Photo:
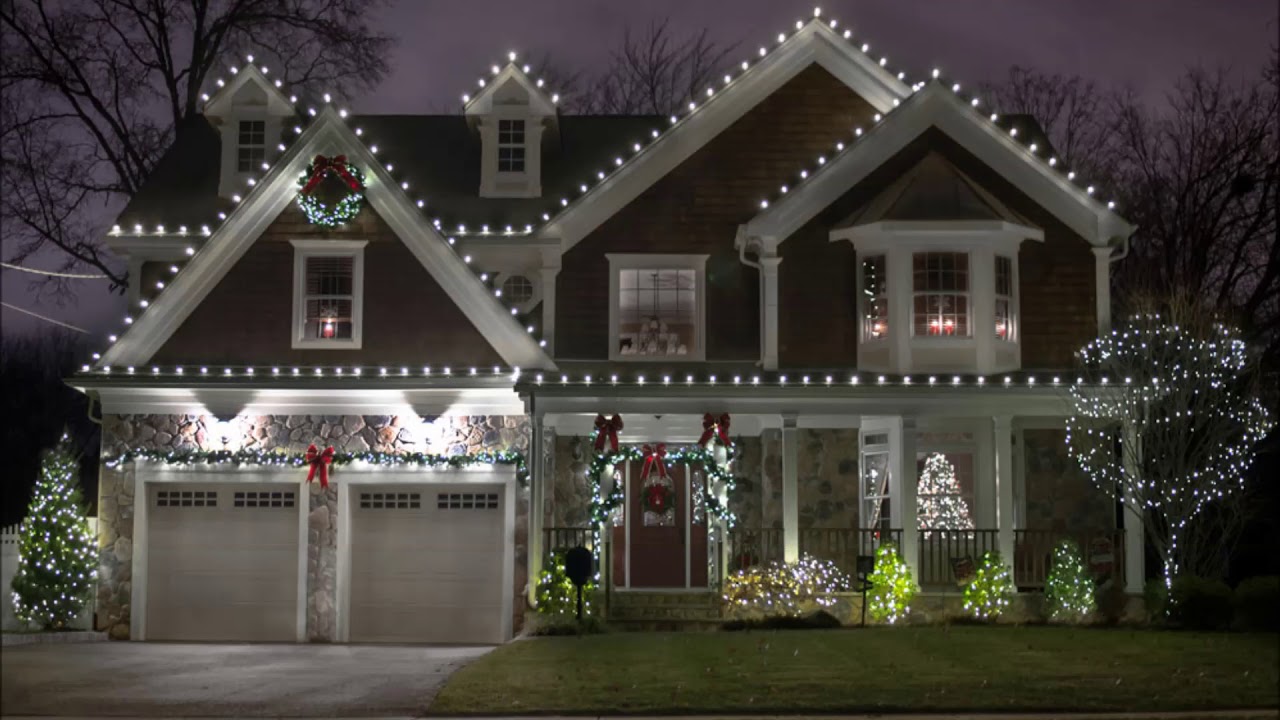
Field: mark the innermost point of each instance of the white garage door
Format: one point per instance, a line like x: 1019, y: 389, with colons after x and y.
x: 222, y: 562
x: 427, y: 563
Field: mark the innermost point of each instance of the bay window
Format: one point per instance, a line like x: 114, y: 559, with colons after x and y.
x: 940, y: 283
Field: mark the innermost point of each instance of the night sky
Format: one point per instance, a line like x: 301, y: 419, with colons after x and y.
x: 445, y: 46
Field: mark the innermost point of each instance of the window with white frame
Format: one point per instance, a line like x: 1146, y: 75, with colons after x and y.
x: 251, y: 148
x: 876, y: 489
x: 940, y: 284
x: 875, y: 298
x: 657, y: 309
x: 945, y: 480
x: 1005, y: 329
x: 511, y: 149
x: 517, y: 289
x: 328, y: 293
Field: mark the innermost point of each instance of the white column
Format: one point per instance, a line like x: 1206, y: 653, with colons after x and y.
x: 982, y: 281
x: 902, y: 478
x: 1135, y: 557
x: 537, y: 491
x: 769, y: 306
x: 549, y: 307
x: 790, y: 490
x: 1102, y: 285
x: 1004, y: 486
x: 899, y: 278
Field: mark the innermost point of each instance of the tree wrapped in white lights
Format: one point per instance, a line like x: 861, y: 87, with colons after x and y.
x: 1178, y: 394
x: 56, y: 551
x: 1068, y: 591
x: 939, y: 504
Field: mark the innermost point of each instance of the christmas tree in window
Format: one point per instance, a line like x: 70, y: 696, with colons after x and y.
x: 939, y: 503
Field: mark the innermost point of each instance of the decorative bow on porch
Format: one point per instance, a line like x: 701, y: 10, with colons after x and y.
x: 607, y: 429
x: 713, y: 427
x: 653, y: 455
x: 322, y: 166
x: 319, y: 462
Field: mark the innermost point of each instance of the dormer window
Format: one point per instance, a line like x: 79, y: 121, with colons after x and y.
x: 511, y: 146
x: 251, y: 150
x: 512, y: 116
x: 249, y: 114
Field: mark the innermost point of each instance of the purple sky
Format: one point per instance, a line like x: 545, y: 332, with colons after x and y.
x: 445, y: 46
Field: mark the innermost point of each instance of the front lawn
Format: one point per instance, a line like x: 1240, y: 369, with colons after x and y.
x: 956, y: 668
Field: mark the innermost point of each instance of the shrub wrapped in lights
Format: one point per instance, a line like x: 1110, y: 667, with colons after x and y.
x: 1068, y: 591
x: 557, y: 597
x: 892, y: 587
x: 991, y: 590
x: 784, y: 589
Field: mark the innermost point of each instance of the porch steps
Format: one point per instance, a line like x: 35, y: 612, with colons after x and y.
x: 680, y: 611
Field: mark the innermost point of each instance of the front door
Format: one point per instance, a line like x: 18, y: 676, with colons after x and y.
x: 663, y: 534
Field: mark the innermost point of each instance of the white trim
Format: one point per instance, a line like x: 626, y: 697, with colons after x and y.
x: 816, y: 43
x: 1102, y: 288
x: 275, y: 192
x: 221, y: 104
x: 482, y: 102
x: 302, y: 251
x: 357, y: 398
x: 659, y: 261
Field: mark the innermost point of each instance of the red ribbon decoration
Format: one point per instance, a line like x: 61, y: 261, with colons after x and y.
x: 656, y: 498
x: 653, y: 455
x: 607, y: 428
x: 319, y: 461
x: 715, y: 427
x: 322, y: 166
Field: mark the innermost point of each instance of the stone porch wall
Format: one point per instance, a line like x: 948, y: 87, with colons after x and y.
x: 827, y: 478
x: 449, y: 435
x: 1059, y: 496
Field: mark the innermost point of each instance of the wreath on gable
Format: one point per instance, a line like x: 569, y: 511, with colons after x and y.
x: 346, y: 209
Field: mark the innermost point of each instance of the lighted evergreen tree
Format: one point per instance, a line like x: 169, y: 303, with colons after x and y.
x: 1068, y: 591
x: 557, y: 597
x: 892, y: 586
x: 56, y: 553
x: 939, y: 505
x: 990, y: 591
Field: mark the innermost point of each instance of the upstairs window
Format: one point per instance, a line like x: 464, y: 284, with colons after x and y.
x: 1004, y: 298
x: 875, y: 298
x: 511, y: 146
x: 328, y: 293
x: 251, y: 149
x: 940, y: 282
x: 657, y: 313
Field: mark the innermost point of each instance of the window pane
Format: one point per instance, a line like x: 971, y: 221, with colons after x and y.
x: 329, y: 297
x: 328, y: 318
x: 1004, y: 276
x: 657, y: 312
x: 517, y: 289
x: 875, y: 303
x: 252, y: 132
x: 330, y: 275
x: 249, y: 159
x: 1003, y: 329
x: 875, y: 490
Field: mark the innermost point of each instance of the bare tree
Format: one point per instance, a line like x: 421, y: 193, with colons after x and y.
x: 94, y: 92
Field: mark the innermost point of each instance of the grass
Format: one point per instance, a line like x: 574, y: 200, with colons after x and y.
x: 947, y: 669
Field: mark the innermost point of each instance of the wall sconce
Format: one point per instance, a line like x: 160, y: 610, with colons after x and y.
x: 221, y: 428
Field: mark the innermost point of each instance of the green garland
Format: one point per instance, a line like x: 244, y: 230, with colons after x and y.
x: 601, y: 507
x: 258, y: 457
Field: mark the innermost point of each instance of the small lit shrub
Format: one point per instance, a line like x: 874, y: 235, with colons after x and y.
x: 1155, y: 599
x: 1197, y: 603
x: 778, y: 588
x: 988, y: 595
x: 557, y: 597
x: 1068, y: 591
x: 1256, y: 603
x: 892, y: 587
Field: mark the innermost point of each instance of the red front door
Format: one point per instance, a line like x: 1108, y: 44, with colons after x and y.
x: 663, y: 537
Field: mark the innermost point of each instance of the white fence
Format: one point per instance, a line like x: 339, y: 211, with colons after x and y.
x: 9, y: 567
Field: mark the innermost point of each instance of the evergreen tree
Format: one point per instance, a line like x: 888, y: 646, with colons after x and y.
x: 891, y: 586
x: 939, y: 505
x: 991, y: 590
x: 57, y: 559
x: 1068, y: 590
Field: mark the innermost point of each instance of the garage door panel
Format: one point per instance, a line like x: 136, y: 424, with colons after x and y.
x: 449, y: 625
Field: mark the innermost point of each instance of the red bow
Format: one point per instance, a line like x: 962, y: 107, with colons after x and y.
x: 607, y: 428
x: 322, y: 166
x: 653, y: 455
x: 319, y: 461
x: 712, y: 427
x: 657, y: 497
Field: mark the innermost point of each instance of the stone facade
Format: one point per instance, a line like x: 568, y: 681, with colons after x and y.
x: 747, y: 499
x: 570, y: 491
x: 447, y: 435
x: 1059, y: 496
x: 827, y: 478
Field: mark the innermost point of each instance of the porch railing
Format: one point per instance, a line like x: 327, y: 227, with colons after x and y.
x: 842, y: 546
x: 748, y: 547
x: 1102, y: 552
x: 941, y: 551
x: 559, y: 539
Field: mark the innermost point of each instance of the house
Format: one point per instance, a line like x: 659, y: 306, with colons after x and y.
x: 844, y: 273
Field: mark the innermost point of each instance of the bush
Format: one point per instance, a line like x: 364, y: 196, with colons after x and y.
x: 1257, y: 603
x: 892, y: 588
x: 557, y: 596
x: 784, y: 588
x: 1068, y: 591
x: 1197, y: 603
x: 1155, y: 598
x: 817, y: 620
x: 1112, y: 603
x: 991, y: 590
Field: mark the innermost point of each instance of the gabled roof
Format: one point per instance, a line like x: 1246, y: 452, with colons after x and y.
x: 540, y: 102
x: 327, y: 135
x: 933, y: 189
x: 274, y: 101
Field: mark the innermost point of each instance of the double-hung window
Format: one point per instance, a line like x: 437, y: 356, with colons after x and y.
x: 251, y: 148
x: 657, y: 310
x: 940, y: 282
x: 328, y: 293
x: 1005, y: 327
x: 875, y: 298
x: 511, y: 149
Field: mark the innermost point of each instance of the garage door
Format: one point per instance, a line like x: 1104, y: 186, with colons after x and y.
x: 222, y: 562
x: 427, y: 563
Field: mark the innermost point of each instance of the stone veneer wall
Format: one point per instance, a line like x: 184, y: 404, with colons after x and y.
x: 827, y: 478
x: 1059, y: 496
x: 449, y: 435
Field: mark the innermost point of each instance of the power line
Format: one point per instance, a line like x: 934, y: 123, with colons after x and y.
x: 52, y: 273
x: 46, y: 319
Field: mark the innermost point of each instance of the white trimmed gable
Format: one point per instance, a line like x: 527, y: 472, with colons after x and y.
x: 511, y: 114
x: 248, y: 108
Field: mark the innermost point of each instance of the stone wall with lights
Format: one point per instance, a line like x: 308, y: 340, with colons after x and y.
x: 448, y: 435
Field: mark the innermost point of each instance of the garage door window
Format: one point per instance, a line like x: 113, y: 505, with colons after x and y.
x: 390, y: 501
x: 186, y: 498
x: 467, y: 501
x: 273, y: 498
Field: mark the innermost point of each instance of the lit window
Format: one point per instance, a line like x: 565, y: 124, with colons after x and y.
x: 1004, y: 298
x: 876, y: 490
x: 875, y: 299
x: 251, y: 148
x: 511, y: 146
x: 944, y: 490
x: 517, y: 289
x: 657, y: 310
x: 941, y: 294
x: 328, y: 287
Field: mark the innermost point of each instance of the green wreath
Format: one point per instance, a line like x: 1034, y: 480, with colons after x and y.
x: 658, y: 498
x: 346, y: 209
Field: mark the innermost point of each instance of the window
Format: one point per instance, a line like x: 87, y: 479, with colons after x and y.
x: 510, y: 146
x: 390, y: 501
x: 657, y: 310
x: 876, y: 490
x: 328, y: 287
x: 941, y: 294
x: 875, y: 298
x: 251, y: 150
x: 944, y: 490
x: 1004, y: 298
x: 517, y: 289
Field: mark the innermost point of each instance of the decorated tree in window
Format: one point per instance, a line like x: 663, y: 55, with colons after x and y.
x: 1068, y: 591
x: 56, y: 551
x: 939, y: 504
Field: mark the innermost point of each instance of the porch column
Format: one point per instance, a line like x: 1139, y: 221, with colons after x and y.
x: 902, y: 466
x: 537, y: 491
x: 1102, y: 287
x: 790, y: 491
x: 769, y: 304
x: 1004, y: 486
x: 1135, y: 556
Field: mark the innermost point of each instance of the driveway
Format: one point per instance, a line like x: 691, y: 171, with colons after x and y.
x: 157, y: 679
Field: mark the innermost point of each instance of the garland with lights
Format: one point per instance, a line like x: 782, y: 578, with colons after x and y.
x: 556, y: 594
x: 990, y: 591
x: 1068, y: 591
x: 337, y: 459
x: 782, y: 588
x: 57, y: 562
x: 346, y: 209
x: 892, y: 587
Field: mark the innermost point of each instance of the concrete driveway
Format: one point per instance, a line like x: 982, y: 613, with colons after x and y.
x: 163, y: 679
